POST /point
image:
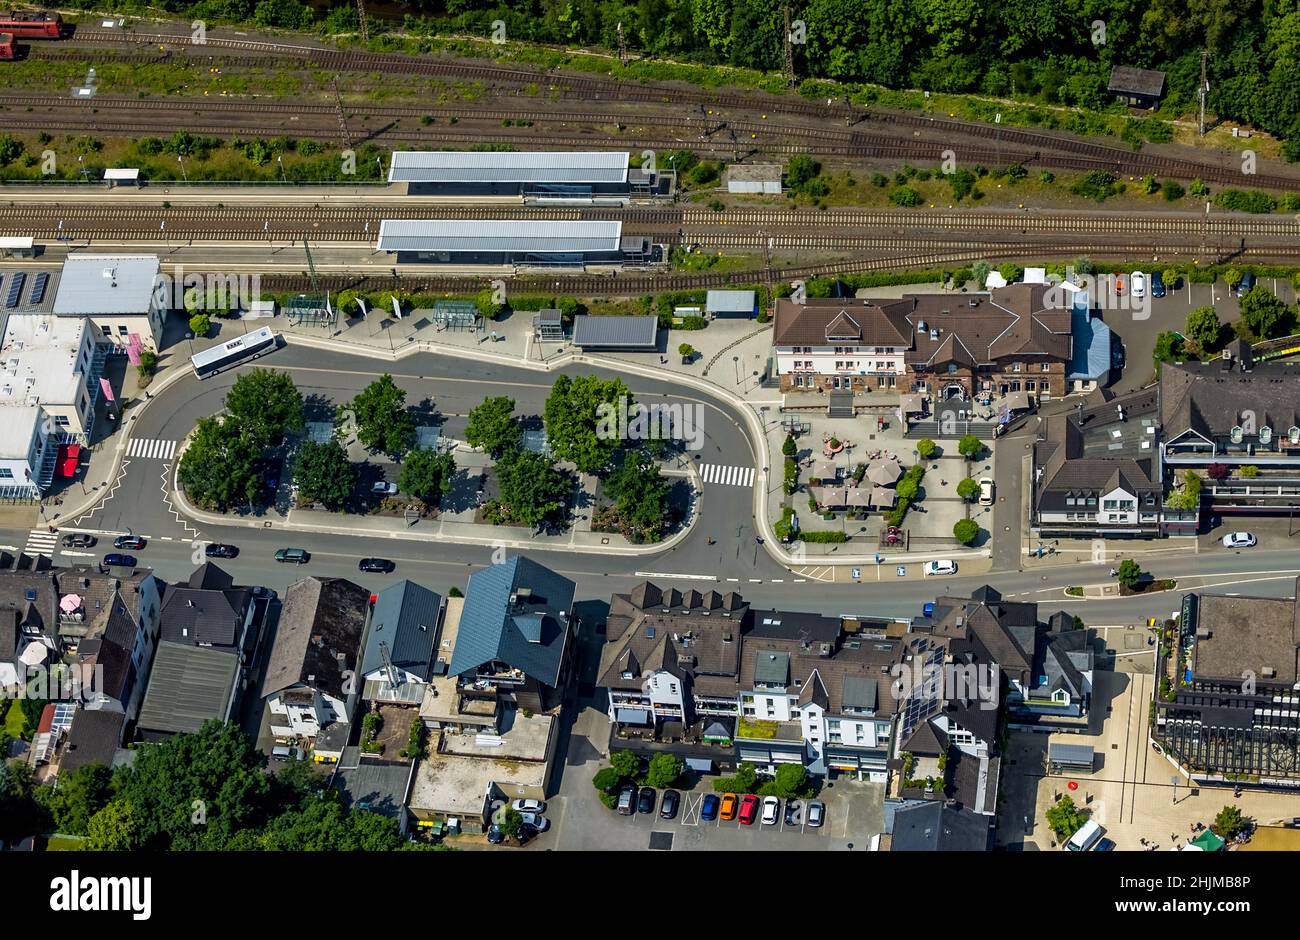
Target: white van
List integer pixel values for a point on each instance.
(1086, 838)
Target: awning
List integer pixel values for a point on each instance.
(702, 764)
(1016, 401)
(69, 459)
(632, 716)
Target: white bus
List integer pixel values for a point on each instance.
(249, 346)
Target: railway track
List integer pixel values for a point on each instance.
(1084, 154)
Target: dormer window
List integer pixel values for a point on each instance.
(1294, 435)
(1235, 434)
(1265, 434)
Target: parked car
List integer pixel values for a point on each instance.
(771, 810)
(730, 802)
(627, 800)
(266, 592)
(927, 609)
(528, 806)
(1247, 283)
(1239, 540)
(1104, 845)
(495, 835)
(816, 814)
(1138, 283)
(296, 556)
(645, 801)
(382, 565)
(942, 566)
(133, 542)
(383, 488)
(748, 809)
(217, 550)
(1116, 352)
(536, 820)
(792, 808)
(709, 808)
(118, 560)
(1157, 284)
(668, 808)
(986, 491)
(1119, 283)
(79, 540)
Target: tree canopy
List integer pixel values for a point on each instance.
(640, 493)
(383, 423)
(218, 468)
(323, 473)
(533, 490)
(426, 475)
(492, 427)
(573, 415)
(265, 404)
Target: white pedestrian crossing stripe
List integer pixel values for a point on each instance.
(41, 542)
(727, 476)
(148, 448)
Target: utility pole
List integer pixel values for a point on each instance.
(1204, 88)
(311, 268)
(361, 19)
(789, 48)
(622, 47)
(338, 109)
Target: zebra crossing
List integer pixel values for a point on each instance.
(724, 475)
(41, 542)
(150, 449)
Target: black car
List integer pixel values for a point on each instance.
(217, 550)
(118, 560)
(793, 812)
(133, 542)
(668, 808)
(382, 565)
(79, 540)
(495, 835)
(645, 801)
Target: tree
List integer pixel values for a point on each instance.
(606, 779)
(218, 468)
(265, 404)
(493, 428)
(925, 448)
(1130, 573)
(1065, 819)
(578, 427)
(512, 823)
(148, 364)
(968, 489)
(789, 448)
(791, 781)
(80, 794)
(200, 324)
(640, 492)
(799, 171)
(323, 473)
(1204, 328)
(1168, 348)
(1264, 313)
(1230, 822)
(383, 423)
(970, 447)
(965, 530)
(320, 823)
(426, 475)
(115, 828)
(686, 350)
(1171, 277)
(624, 763)
(664, 770)
(1233, 277)
(20, 814)
(532, 490)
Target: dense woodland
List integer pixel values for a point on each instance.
(1039, 49)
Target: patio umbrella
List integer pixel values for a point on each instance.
(884, 472)
(883, 498)
(824, 470)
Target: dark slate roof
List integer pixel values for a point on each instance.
(1080, 454)
(321, 620)
(188, 685)
(772, 667)
(931, 826)
(842, 322)
(1205, 398)
(974, 329)
(631, 332)
(208, 610)
(1138, 81)
(488, 628)
(375, 786)
(93, 738)
(1063, 659)
(406, 618)
(794, 625)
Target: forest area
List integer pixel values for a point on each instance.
(1055, 52)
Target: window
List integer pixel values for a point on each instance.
(123, 330)
(1045, 367)
(107, 330)
(1016, 367)
(6, 473)
(61, 420)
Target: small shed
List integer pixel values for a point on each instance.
(259, 309)
(763, 178)
(549, 325)
(1079, 756)
(732, 303)
(121, 176)
(1137, 88)
(621, 333)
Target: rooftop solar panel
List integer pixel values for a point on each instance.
(38, 287)
(15, 289)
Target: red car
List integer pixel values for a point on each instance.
(748, 809)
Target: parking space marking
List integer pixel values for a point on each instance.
(691, 807)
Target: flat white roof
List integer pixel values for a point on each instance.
(121, 173)
(107, 284)
(11, 242)
(38, 361)
(731, 301)
(490, 166)
(16, 432)
(505, 235)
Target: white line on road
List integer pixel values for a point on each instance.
(676, 577)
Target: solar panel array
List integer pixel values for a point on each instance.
(15, 289)
(925, 699)
(38, 288)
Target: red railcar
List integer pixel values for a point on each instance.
(7, 50)
(32, 25)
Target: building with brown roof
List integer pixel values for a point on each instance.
(987, 344)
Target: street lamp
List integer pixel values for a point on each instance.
(280, 160)
(181, 160)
